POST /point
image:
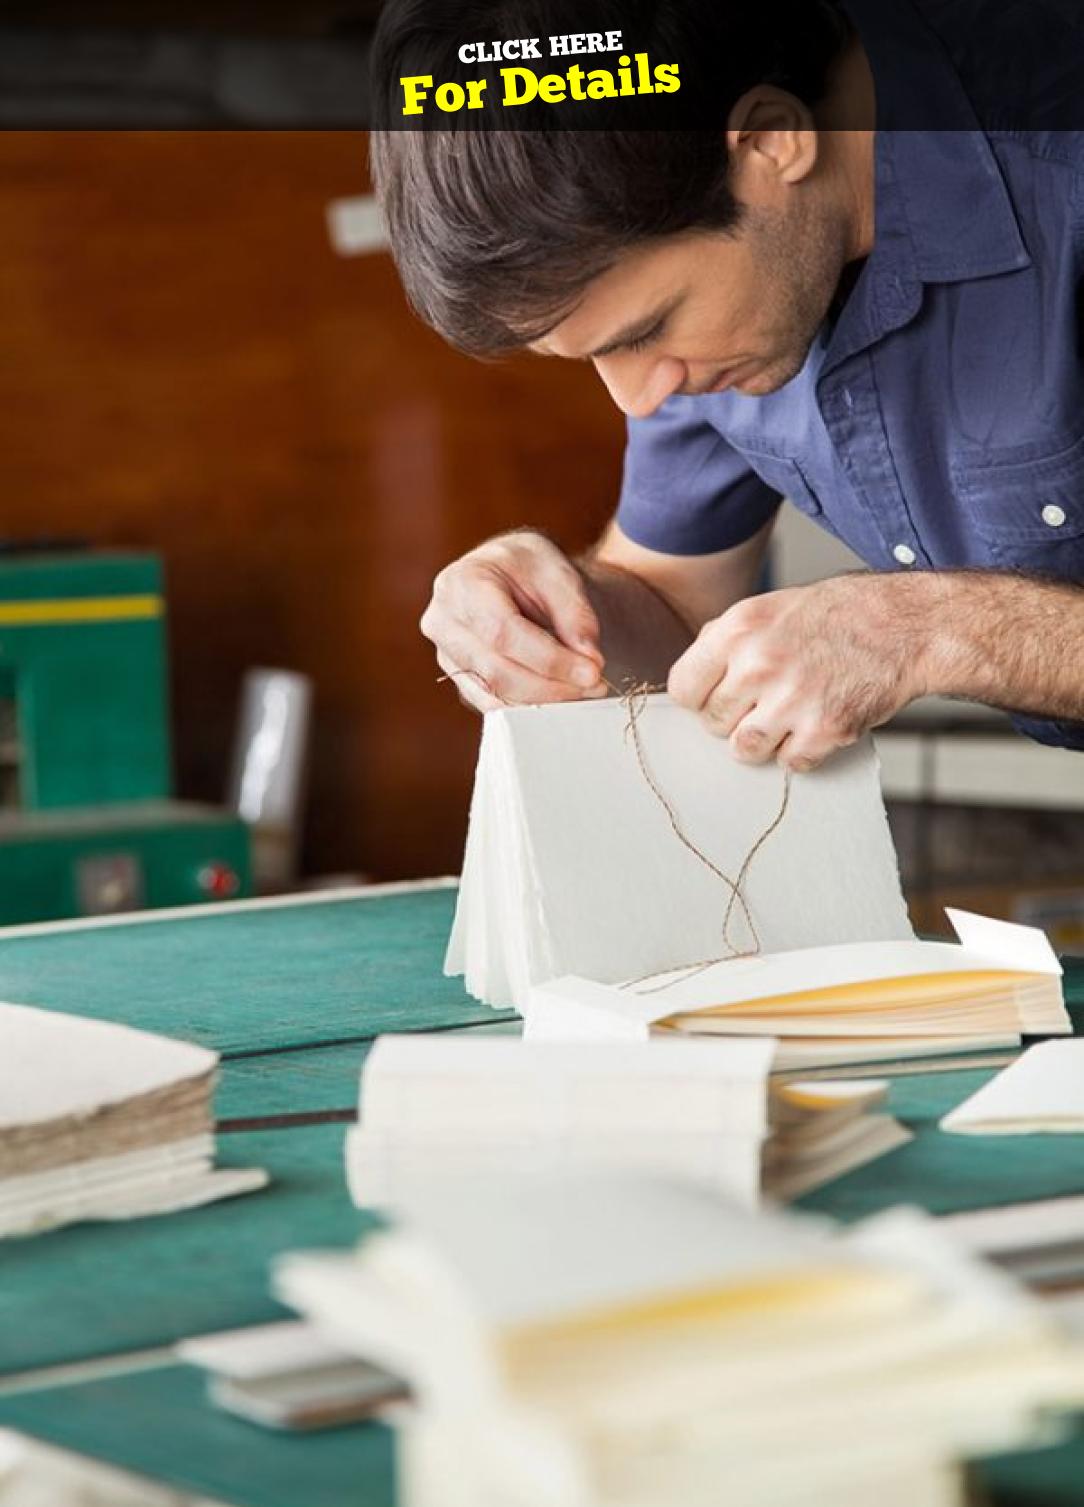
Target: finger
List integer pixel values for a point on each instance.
(556, 591)
(725, 708)
(511, 636)
(798, 755)
(468, 686)
(806, 750)
(757, 737)
(694, 677)
(511, 683)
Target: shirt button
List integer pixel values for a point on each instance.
(1053, 515)
(904, 554)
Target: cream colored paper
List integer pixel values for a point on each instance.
(53, 1065)
(1019, 1228)
(572, 865)
(497, 1085)
(579, 1009)
(667, 1343)
(99, 1121)
(1042, 1091)
(697, 1110)
(261, 1351)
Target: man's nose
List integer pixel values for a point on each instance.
(640, 384)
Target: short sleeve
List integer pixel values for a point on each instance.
(1053, 734)
(686, 490)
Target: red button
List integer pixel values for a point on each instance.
(218, 881)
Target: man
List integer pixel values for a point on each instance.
(882, 325)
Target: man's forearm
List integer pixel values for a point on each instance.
(642, 633)
(1004, 639)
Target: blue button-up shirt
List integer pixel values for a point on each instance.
(939, 423)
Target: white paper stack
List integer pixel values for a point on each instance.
(98, 1121)
(1041, 1092)
(699, 1110)
(572, 866)
(864, 1001)
(34, 1474)
(574, 871)
(622, 1342)
(288, 1376)
(1041, 1243)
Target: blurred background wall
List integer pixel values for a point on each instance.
(188, 366)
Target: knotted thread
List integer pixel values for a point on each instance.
(633, 697)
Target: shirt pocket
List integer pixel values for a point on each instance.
(786, 477)
(1026, 509)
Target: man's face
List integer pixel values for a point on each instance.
(704, 312)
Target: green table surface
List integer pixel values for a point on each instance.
(252, 980)
(100, 1289)
(96, 1290)
(315, 1080)
(158, 1424)
(297, 993)
(950, 1173)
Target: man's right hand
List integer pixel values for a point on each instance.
(512, 624)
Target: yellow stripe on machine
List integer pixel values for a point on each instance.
(52, 613)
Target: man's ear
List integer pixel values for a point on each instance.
(772, 143)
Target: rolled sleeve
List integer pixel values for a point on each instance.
(686, 490)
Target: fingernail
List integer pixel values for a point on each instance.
(585, 675)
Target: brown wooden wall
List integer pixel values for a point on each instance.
(186, 365)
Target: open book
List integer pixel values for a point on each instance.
(702, 1111)
(625, 1342)
(616, 849)
(873, 999)
(98, 1121)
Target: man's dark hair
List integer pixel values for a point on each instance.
(498, 232)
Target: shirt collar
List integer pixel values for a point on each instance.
(933, 159)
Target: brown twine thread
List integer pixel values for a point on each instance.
(634, 699)
(633, 696)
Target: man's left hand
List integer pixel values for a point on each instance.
(795, 675)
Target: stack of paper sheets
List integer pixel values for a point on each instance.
(869, 1000)
(98, 1121)
(1042, 1091)
(574, 869)
(1041, 1243)
(622, 1342)
(288, 1376)
(703, 1111)
(572, 866)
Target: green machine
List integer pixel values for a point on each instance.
(88, 825)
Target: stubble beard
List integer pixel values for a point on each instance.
(805, 257)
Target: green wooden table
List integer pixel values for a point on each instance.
(292, 995)
(253, 977)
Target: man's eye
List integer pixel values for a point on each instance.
(642, 342)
